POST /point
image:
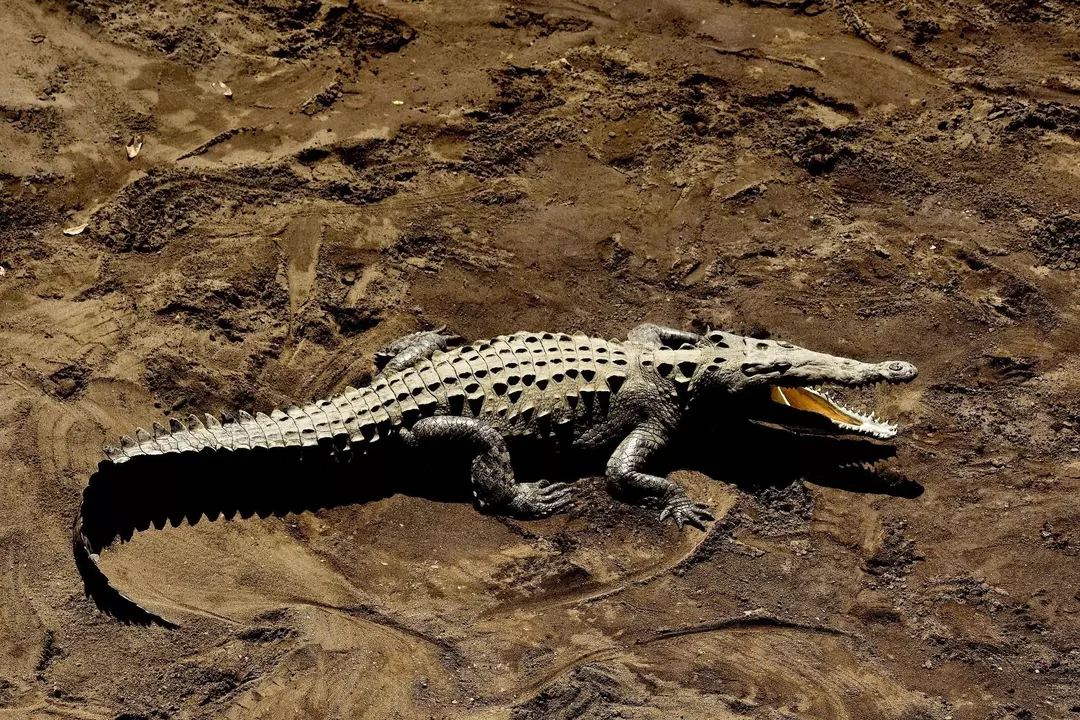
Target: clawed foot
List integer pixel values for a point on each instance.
(539, 499)
(406, 350)
(686, 512)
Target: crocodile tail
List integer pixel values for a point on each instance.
(212, 468)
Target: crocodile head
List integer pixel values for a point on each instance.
(786, 384)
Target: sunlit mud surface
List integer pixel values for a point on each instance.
(873, 179)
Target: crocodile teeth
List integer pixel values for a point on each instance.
(869, 424)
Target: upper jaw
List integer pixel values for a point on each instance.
(848, 374)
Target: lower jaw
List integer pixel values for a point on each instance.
(819, 403)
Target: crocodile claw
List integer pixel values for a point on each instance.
(684, 511)
(540, 499)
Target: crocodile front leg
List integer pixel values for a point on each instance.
(625, 471)
(492, 475)
(412, 348)
(655, 336)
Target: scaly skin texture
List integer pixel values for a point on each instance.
(588, 393)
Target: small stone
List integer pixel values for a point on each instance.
(65, 387)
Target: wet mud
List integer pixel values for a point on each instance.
(872, 179)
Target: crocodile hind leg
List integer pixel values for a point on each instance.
(625, 471)
(492, 476)
(655, 336)
(412, 348)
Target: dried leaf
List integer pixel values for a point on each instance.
(75, 230)
(134, 146)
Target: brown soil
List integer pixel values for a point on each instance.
(889, 179)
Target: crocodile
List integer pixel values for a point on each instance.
(633, 396)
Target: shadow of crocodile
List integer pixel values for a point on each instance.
(155, 491)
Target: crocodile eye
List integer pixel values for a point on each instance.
(785, 345)
(762, 346)
(896, 366)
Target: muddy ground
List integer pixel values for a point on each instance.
(888, 179)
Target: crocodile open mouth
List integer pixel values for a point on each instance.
(818, 402)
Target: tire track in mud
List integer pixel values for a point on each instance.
(300, 243)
